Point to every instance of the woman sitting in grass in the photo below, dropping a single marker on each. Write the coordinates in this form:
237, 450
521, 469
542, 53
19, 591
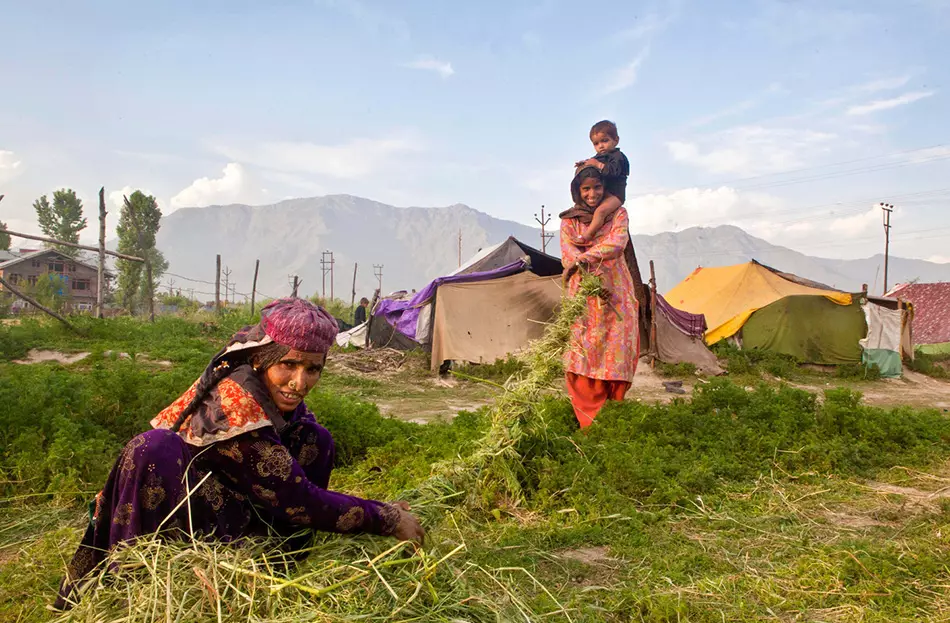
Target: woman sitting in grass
243, 442
605, 343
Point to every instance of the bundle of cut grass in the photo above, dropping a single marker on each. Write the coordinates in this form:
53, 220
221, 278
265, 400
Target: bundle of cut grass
342, 579
490, 473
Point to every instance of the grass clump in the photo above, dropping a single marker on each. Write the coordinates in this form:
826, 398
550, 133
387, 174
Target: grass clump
936, 365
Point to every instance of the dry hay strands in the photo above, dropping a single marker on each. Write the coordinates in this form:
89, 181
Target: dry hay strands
491, 471
371, 360
342, 579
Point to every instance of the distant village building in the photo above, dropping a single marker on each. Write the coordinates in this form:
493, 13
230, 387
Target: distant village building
79, 280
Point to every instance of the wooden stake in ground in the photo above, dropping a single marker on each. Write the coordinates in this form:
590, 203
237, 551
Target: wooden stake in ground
217, 284
257, 265
653, 350
101, 279
353, 297
8, 286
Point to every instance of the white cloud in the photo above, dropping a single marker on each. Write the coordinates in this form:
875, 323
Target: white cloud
926, 155
9, 166
427, 63
626, 76
234, 186
751, 150
689, 207
884, 84
894, 102
358, 159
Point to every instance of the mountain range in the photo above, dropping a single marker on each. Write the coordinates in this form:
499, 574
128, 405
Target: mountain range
414, 245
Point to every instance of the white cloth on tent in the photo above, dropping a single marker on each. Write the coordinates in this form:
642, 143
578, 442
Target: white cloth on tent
884, 328
353, 337
424, 324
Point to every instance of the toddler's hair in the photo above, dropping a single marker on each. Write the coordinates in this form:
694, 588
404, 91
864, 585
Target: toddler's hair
607, 127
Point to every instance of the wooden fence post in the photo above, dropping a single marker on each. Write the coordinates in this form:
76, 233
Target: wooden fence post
217, 284
101, 279
257, 265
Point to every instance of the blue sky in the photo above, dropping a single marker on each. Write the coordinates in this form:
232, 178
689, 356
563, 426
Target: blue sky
789, 118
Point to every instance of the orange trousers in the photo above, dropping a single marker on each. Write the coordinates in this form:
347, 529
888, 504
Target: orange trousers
589, 395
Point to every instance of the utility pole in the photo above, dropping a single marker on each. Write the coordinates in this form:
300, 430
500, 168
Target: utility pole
353, 297
378, 271
296, 285
227, 282
545, 236
326, 265
171, 285
887, 208
460, 246
217, 284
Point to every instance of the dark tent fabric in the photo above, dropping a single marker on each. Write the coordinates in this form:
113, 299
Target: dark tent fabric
811, 329
512, 250
383, 335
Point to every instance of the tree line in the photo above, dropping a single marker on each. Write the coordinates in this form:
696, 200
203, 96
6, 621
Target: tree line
139, 222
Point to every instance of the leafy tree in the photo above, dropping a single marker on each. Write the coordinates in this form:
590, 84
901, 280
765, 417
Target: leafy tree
139, 221
62, 219
4, 237
51, 290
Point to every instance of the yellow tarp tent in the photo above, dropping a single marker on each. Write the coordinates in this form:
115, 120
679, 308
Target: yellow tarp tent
728, 295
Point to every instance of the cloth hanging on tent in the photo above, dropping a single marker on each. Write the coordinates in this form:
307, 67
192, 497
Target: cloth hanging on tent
674, 344
883, 342
404, 315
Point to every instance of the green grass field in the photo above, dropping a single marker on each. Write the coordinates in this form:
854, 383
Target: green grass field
745, 502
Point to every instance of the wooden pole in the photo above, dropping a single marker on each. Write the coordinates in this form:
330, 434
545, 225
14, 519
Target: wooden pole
369, 318
654, 351
296, 285
73, 245
8, 286
217, 284
100, 292
257, 265
353, 296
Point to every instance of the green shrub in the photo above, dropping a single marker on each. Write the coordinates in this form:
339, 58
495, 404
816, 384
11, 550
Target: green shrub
858, 372
935, 365
499, 371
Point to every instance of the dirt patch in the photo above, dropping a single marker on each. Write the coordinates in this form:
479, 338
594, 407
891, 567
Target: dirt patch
426, 409
849, 520
140, 358
648, 385
45, 356
913, 497
588, 555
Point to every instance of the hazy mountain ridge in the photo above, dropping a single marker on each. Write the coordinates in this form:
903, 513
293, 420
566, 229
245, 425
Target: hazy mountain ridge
415, 245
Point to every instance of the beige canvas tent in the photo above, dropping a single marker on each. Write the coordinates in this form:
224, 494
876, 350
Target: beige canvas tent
484, 321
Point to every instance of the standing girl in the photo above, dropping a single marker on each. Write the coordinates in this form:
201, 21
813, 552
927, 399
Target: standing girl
605, 343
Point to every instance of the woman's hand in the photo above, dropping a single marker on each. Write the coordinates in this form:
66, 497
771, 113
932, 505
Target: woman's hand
408, 528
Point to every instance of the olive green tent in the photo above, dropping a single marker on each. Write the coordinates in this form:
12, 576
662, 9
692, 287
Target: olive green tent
812, 329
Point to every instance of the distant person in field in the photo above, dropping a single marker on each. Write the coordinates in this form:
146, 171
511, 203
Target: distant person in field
601, 358
244, 426
359, 316
614, 169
